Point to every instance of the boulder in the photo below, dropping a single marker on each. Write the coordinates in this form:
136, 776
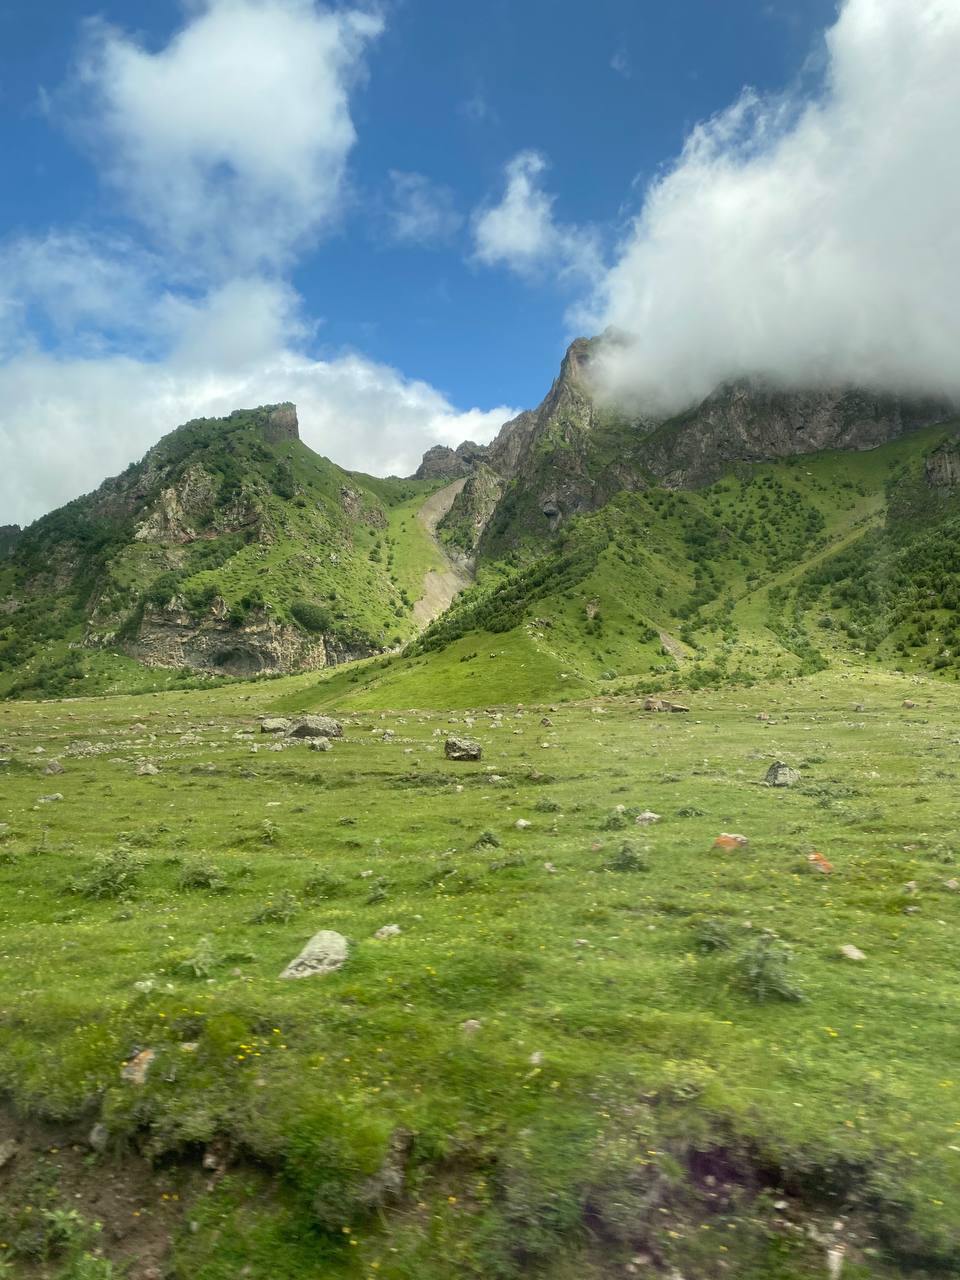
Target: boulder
462, 749
147, 770
850, 952
316, 727
52, 769
324, 953
275, 724
320, 744
781, 775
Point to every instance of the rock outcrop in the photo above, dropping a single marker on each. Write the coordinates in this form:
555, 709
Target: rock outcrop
573, 454
942, 468
749, 421
173, 637
444, 463
9, 536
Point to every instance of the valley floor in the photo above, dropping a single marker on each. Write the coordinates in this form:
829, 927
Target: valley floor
599, 1045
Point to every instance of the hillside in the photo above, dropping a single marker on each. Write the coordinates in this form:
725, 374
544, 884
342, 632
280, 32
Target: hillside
778, 569
231, 549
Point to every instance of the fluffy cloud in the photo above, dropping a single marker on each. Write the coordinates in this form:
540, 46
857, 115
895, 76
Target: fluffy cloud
814, 241
70, 420
520, 232
85, 290
421, 211
229, 143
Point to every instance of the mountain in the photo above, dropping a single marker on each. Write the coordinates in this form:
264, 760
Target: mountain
230, 549
574, 452
764, 531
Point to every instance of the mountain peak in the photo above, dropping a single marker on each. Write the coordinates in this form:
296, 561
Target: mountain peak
278, 422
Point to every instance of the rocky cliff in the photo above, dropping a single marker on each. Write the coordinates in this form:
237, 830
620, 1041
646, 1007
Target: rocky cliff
574, 452
9, 536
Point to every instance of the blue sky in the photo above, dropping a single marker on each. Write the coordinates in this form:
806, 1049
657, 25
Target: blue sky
398, 215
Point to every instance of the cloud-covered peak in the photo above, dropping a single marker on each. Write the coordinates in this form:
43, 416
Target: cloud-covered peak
813, 241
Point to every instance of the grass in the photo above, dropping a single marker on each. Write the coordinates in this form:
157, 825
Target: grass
626, 1092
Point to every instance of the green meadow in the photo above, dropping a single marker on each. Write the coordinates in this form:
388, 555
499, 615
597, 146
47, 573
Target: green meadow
596, 1047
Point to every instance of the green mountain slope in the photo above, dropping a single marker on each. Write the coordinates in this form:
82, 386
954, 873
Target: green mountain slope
777, 569
230, 549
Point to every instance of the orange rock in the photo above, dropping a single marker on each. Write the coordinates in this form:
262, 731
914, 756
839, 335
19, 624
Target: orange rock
729, 840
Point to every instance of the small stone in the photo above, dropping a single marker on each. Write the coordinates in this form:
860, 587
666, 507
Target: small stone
98, 1137
781, 775
911, 887
522, 824
388, 931
136, 1069
536, 1059
951, 885
147, 770
462, 749
471, 1027
52, 799
730, 840
908, 704
850, 952
548, 866
320, 744
324, 953
53, 768
647, 818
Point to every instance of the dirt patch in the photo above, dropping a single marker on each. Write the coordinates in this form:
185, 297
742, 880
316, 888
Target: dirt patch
440, 586
54, 1170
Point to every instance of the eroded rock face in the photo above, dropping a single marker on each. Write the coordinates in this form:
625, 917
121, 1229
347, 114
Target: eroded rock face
324, 953
444, 463
942, 468
179, 508
9, 536
281, 424
171, 637
572, 455
748, 421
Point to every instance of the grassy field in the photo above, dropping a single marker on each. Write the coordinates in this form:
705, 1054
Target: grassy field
596, 1048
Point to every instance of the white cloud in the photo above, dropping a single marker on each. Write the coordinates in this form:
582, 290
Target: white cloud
815, 242
620, 63
520, 232
421, 211
229, 144
70, 421
84, 289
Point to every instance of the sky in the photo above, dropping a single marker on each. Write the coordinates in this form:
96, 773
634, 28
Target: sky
398, 213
